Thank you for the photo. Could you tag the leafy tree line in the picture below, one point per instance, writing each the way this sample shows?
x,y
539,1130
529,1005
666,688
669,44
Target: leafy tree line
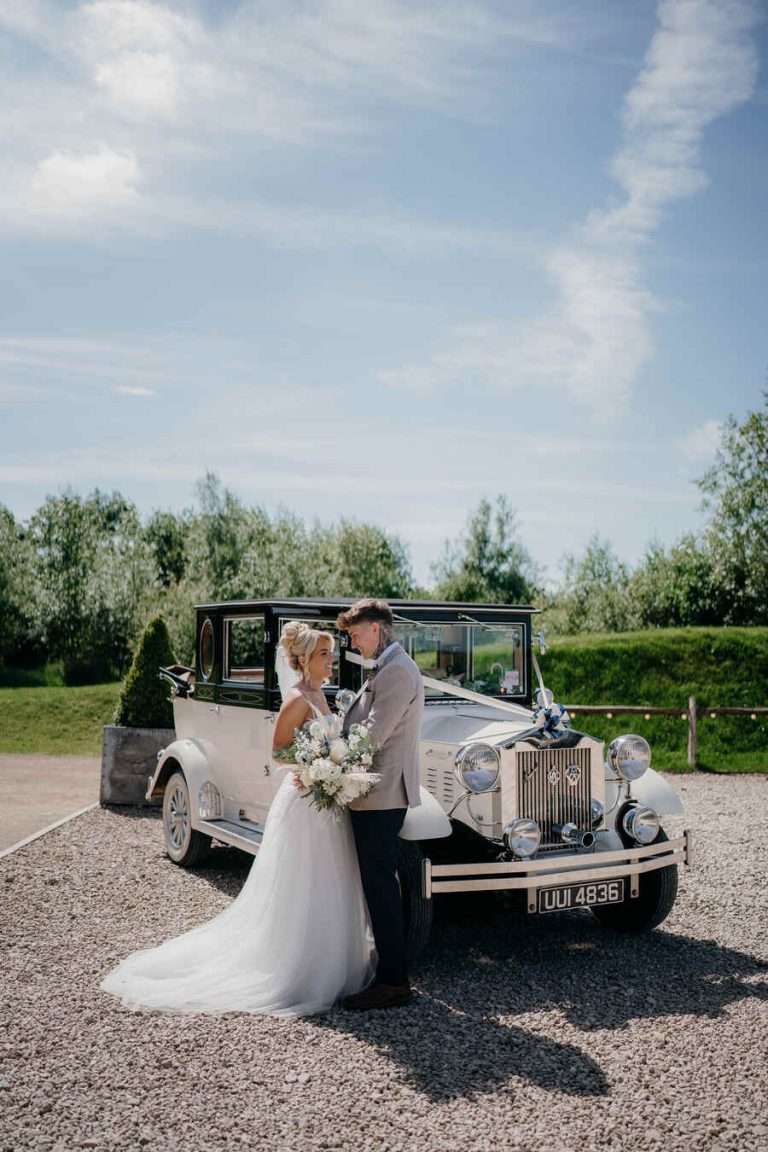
x,y
82,577
80,580
719,576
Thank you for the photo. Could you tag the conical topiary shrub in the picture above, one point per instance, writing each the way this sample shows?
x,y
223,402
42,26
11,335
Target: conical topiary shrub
x,y
144,701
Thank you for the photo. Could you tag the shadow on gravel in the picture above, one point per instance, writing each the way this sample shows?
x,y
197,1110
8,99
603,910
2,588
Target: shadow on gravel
x,y
447,1052
599,979
457,1040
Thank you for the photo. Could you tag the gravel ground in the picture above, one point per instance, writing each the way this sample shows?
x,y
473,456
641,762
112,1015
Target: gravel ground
x,y
549,1034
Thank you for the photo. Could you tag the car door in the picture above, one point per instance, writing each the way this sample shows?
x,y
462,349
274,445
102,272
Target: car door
x,y
246,721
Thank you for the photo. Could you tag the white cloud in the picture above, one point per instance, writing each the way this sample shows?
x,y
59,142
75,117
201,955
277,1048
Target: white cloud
x,y
123,25
265,75
68,183
596,337
133,390
141,82
702,442
700,65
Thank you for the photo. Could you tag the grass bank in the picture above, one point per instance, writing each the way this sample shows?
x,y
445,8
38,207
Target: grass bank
x,y
56,721
726,667
721,667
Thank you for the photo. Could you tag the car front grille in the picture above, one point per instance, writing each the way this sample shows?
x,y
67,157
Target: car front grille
x,y
554,787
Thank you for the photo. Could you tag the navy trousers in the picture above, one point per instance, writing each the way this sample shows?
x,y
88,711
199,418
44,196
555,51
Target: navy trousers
x,y
376,840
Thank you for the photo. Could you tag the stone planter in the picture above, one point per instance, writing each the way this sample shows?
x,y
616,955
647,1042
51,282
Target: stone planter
x,y
128,759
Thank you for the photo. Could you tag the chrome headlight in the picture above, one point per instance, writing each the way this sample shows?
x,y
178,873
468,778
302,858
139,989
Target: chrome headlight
x,y
522,837
477,767
597,812
629,756
642,824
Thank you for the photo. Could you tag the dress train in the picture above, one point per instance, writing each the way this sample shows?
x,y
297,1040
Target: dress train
x,y
294,941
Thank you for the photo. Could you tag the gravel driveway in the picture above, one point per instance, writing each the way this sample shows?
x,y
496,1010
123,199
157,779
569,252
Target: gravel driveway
x,y
545,1034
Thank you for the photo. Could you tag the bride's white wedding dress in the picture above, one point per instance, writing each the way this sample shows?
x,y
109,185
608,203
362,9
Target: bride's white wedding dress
x,y
294,941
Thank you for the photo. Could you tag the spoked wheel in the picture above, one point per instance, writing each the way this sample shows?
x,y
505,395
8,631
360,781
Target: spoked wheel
x,y
183,843
417,910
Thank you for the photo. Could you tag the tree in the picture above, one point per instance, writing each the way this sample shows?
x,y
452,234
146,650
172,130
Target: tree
x,y
166,535
593,597
144,701
92,572
363,560
220,536
676,587
489,563
736,494
19,644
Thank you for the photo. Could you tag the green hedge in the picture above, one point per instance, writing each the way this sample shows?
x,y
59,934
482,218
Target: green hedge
x,y
721,667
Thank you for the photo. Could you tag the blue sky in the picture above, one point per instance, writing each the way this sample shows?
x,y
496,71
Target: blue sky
x,y
382,258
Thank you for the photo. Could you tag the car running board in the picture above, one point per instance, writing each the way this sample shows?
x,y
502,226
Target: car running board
x,y
236,835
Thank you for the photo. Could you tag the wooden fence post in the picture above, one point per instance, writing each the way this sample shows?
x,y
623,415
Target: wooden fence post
x,y
692,731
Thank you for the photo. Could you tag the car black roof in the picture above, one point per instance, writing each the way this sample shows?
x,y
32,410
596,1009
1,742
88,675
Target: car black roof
x,y
421,609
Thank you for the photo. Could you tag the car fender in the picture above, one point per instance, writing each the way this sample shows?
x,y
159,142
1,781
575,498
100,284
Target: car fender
x,y
427,822
653,790
191,758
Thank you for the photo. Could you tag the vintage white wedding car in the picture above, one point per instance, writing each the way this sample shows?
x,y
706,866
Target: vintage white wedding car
x,y
514,799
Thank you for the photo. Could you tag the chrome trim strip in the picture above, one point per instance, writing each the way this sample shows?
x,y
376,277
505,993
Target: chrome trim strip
x,y
660,848
535,874
426,878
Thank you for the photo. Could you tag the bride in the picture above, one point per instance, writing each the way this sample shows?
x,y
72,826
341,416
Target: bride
x,y
296,939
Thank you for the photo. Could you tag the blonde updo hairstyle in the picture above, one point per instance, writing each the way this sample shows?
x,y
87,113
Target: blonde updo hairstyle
x,y
298,641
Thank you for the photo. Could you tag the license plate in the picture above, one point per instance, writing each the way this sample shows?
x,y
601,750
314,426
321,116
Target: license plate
x,y
581,895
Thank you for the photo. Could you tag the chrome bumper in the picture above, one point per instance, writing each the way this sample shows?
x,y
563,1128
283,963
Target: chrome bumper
x,y
531,875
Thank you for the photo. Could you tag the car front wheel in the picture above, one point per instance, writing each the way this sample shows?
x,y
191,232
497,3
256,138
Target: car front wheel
x,y
183,843
417,910
658,891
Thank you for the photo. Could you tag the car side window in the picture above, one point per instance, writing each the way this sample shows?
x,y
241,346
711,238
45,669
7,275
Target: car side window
x,y
244,649
206,649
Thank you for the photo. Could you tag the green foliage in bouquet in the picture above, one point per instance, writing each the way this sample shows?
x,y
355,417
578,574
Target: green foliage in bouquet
x,y
144,701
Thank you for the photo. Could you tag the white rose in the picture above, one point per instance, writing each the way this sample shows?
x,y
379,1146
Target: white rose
x,y
320,769
355,741
316,730
337,750
350,788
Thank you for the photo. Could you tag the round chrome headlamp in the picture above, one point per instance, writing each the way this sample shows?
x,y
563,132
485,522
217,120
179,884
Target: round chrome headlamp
x,y
642,824
597,812
477,767
522,838
629,756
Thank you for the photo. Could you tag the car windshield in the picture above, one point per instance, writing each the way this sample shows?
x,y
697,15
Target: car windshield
x,y
484,658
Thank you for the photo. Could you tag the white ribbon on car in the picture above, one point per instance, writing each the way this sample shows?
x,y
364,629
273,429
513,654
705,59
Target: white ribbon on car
x,y
475,697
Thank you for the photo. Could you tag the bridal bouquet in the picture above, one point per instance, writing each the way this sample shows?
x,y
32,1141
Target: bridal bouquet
x,y
333,766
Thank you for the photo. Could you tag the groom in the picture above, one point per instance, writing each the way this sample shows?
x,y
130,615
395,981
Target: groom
x,y
391,703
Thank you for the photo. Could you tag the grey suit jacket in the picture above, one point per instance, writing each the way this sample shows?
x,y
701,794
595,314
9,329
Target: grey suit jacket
x,y
392,704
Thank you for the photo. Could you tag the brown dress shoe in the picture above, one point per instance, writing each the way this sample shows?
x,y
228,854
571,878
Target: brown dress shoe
x,y
379,995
